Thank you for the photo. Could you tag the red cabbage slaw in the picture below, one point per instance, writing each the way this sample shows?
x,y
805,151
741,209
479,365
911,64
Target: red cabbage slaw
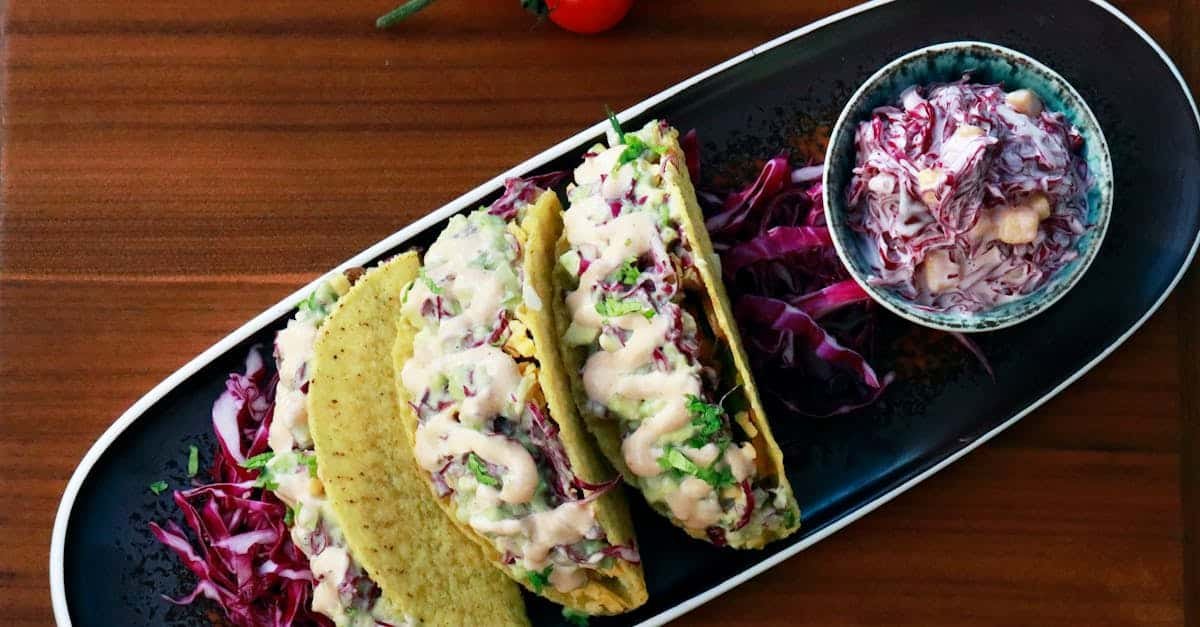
x,y
808,326
968,197
804,320
243,554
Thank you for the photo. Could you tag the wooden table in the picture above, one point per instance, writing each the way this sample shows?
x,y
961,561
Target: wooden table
x,y
169,171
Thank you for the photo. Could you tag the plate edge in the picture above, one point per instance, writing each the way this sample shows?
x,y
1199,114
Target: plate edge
x,y
130,415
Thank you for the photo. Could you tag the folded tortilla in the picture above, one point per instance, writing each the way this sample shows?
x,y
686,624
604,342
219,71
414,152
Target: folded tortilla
x,y
617,584
596,206
424,567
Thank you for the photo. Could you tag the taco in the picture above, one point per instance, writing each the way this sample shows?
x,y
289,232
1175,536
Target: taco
x,y
378,549
658,370
490,413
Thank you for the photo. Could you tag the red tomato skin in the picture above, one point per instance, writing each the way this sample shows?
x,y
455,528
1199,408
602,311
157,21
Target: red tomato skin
x,y
588,17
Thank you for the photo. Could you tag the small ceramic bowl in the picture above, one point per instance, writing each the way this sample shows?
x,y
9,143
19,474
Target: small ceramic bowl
x,y
988,64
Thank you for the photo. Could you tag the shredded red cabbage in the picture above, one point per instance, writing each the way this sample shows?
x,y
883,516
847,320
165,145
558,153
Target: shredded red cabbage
x,y
783,273
243,555
807,325
967,196
518,191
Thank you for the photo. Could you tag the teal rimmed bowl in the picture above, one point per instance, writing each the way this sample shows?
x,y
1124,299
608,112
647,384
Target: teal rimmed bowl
x,y
987,63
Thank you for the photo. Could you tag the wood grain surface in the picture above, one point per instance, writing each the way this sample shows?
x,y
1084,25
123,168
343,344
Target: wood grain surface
x,y
172,168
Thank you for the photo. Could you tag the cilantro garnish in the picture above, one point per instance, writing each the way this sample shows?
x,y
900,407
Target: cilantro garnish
x,y
311,462
258,461
312,303
616,124
289,517
706,418
433,287
612,307
193,465
538,580
634,147
478,468
575,617
628,273
716,478
158,487
674,459
265,478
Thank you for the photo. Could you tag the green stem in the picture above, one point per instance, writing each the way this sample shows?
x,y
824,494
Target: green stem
x,y
400,13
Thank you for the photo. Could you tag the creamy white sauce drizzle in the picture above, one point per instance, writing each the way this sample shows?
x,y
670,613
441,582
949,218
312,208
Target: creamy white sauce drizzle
x,y
624,375
462,378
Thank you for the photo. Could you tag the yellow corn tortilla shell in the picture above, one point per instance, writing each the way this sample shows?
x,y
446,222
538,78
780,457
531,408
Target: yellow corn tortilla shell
x,y
682,200
392,524
622,587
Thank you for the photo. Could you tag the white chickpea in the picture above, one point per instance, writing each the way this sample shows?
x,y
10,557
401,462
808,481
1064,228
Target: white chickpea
x,y
928,181
882,183
1017,225
939,272
968,131
984,228
1024,101
1040,203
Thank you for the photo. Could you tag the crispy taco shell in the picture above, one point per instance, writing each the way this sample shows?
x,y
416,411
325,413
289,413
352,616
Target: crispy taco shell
x,y
420,561
719,314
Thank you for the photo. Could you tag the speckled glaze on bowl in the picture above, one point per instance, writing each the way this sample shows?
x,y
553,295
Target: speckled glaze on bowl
x,y
987,63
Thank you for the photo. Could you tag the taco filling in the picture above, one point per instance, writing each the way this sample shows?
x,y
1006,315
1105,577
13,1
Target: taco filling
x,y
484,431
655,357
342,590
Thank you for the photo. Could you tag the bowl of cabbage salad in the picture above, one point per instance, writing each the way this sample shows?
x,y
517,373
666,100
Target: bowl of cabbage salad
x,y
968,187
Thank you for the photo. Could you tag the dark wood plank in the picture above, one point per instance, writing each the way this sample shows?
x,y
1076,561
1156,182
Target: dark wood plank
x,y
170,169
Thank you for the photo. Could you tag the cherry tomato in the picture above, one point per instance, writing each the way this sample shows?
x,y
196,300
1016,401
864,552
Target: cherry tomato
x,y
587,16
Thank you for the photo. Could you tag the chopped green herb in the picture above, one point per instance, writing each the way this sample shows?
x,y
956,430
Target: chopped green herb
x,y
789,518
311,462
433,287
266,479
674,459
312,303
634,147
289,517
628,273
258,461
575,617
478,468
193,461
158,486
616,124
612,307
706,418
716,478
539,580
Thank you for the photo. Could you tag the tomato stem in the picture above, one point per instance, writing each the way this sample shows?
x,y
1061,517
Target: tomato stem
x,y
400,13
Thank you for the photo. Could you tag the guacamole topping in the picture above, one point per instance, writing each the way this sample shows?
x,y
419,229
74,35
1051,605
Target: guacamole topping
x,y
484,432
652,364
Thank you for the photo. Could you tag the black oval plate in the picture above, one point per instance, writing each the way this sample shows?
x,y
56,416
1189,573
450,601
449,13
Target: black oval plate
x,y
107,570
